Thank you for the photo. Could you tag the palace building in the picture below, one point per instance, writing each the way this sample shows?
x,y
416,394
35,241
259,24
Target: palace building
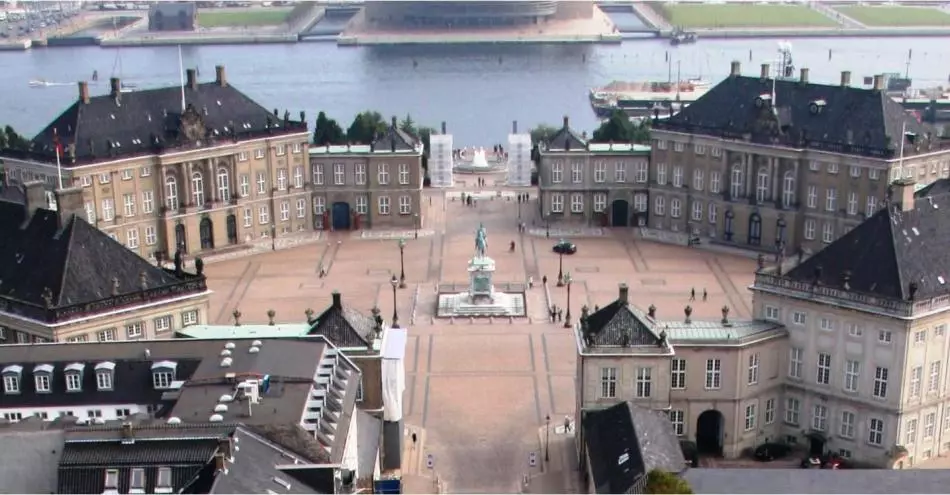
x,y
193,168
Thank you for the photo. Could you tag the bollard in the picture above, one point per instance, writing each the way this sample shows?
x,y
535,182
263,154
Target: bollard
x,y
452,320
511,320
491,319
471,320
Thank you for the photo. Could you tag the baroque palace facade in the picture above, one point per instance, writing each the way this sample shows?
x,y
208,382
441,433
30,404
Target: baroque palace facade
x,y
196,168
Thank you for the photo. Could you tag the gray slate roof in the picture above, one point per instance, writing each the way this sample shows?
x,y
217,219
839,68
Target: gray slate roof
x,y
31,459
888,252
344,326
566,139
833,118
254,468
394,139
618,324
819,481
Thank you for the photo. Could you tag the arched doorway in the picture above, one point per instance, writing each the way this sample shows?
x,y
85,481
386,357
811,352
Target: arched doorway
x,y
181,243
710,430
206,231
619,213
232,229
341,216
755,229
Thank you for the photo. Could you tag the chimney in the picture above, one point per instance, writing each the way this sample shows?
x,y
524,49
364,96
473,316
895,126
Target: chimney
x,y
115,87
623,294
35,193
903,193
84,92
878,82
566,122
69,202
845,78
395,123
219,461
804,76
336,300
514,127
736,69
221,77
128,436
191,77
766,71
444,128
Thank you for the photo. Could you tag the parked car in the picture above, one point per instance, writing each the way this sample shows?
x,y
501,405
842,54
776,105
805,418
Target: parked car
x,y
565,247
771,451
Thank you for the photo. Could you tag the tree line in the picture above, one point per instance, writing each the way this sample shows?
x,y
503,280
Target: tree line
x,y
11,140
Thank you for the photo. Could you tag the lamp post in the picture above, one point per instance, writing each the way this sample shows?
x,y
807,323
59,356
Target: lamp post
x,y
560,268
567,316
402,264
416,225
547,438
395,284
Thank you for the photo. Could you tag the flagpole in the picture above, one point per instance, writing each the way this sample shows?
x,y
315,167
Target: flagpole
x,y
181,76
900,167
59,166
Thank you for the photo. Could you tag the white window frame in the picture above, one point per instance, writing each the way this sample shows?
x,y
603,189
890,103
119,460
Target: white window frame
x,y
793,408
823,369
151,235
284,211
263,215
73,381
847,425
577,203
600,172
852,373
600,202
678,420
557,203
698,180
713,374
383,205
318,178
876,431
769,411
750,417
162,379
608,383
933,383
557,172
281,179
644,382
795,362
403,174
359,173
753,372
577,173
301,208
339,174
819,420
879,391
405,205
678,374
916,379
261,183
245,186
382,174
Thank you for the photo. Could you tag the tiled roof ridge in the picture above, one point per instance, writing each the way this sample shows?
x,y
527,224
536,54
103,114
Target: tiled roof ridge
x,y
69,230
889,219
118,424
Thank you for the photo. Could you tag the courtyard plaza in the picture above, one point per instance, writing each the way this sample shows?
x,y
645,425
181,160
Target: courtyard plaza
x,y
478,390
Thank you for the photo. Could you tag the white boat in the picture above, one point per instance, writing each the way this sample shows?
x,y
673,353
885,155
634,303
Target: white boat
x,y
39,83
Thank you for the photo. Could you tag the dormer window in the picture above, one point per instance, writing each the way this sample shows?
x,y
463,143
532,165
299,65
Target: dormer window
x,y
112,481
137,480
163,374
11,379
164,482
104,375
42,376
73,374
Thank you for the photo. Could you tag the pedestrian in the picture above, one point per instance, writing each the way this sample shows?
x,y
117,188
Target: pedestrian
x,y
530,282
560,315
692,294
544,280
704,294
552,313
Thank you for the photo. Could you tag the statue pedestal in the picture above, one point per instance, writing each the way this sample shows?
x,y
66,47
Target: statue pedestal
x,y
480,272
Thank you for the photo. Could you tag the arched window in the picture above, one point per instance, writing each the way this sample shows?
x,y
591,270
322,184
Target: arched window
x,y
762,184
197,189
224,185
735,190
171,192
788,190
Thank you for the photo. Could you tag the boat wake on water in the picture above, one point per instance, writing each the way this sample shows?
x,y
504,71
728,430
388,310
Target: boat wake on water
x,y
42,83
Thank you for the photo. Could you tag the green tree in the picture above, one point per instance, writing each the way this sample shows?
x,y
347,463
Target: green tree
x,y
542,133
10,139
366,125
664,482
327,131
619,129
408,125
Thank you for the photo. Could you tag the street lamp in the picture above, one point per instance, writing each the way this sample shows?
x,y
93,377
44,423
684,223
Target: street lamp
x,y
547,438
402,264
395,284
567,317
416,225
560,268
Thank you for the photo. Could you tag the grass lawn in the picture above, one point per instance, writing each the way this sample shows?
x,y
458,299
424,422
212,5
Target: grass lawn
x,y
744,15
887,15
255,17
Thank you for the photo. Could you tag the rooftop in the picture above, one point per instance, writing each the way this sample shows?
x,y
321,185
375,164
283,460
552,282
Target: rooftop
x,y
817,481
244,331
392,140
566,139
617,148
345,326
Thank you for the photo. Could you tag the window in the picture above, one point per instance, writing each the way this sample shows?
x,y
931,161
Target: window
x,y
90,212
640,202
73,381
809,229
128,201
930,424
640,170
360,174
384,205
248,216
920,337
812,198
339,174
198,188
851,371
831,199
263,215
404,173
608,383
795,363
855,330
933,384
714,151
714,182
661,174
712,213
132,238
770,411
405,205
162,379
699,149
319,205
832,168
749,417
659,205
163,324
242,156
13,416
296,148
772,313
675,207
788,190
820,418
281,149
11,384
164,479
762,185
42,382
189,318
224,185
661,144
259,153
107,335
245,186
713,374
753,375
261,183
284,211
557,172
677,146
600,202
577,175
846,428
697,211
148,202
827,232
298,175
362,204
108,209
85,180
678,374
318,174
737,180
940,330
301,208
855,171
798,318
600,172
915,377
678,418
359,390
382,173
281,179
557,203
852,203
677,176
577,203
105,178
880,383
873,174
910,432
884,336
644,382
824,369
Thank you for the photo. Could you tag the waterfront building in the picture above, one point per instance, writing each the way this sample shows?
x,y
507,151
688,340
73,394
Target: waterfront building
x,y
467,14
519,157
595,183
441,159
377,185
173,16
764,163
194,168
65,280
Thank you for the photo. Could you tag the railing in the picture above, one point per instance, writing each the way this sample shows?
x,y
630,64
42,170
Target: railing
x,y
894,306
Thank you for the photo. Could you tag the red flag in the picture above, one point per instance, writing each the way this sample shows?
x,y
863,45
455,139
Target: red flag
x,y
59,147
